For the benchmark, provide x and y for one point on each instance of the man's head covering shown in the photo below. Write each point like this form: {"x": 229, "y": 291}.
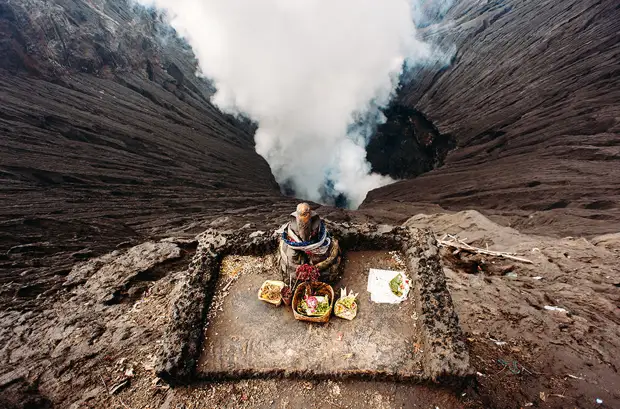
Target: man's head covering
{"x": 303, "y": 211}
{"x": 303, "y": 216}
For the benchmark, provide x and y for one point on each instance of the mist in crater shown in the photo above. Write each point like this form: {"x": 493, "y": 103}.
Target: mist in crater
{"x": 312, "y": 74}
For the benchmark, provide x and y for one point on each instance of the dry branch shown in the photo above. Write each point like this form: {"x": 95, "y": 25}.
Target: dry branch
{"x": 454, "y": 242}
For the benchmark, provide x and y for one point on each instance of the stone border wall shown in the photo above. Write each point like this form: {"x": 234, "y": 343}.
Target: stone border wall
{"x": 445, "y": 352}
{"x": 180, "y": 349}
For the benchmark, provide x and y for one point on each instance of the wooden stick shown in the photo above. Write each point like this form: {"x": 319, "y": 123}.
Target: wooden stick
{"x": 229, "y": 283}
{"x": 105, "y": 384}
{"x": 464, "y": 246}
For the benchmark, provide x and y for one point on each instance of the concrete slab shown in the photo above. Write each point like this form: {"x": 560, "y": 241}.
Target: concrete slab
{"x": 247, "y": 337}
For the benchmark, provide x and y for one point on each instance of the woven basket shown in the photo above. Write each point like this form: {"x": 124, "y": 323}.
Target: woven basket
{"x": 318, "y": 288}
{"x": 271, "y": 282}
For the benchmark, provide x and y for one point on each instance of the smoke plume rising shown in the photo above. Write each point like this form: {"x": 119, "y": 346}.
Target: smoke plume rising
{"x": 312, "y": 74}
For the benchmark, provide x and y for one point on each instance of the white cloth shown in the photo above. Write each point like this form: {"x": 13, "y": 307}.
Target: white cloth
{"x": 379, "y": 286}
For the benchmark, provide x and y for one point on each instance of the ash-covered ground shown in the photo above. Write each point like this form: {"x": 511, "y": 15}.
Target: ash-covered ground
{"x": 96, "y": 342}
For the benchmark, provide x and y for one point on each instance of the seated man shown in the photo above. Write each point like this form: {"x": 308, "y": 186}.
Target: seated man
{"x": 305, "y": 240}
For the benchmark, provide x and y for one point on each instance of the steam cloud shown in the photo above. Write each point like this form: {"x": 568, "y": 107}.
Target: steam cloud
{"x": 312, "y": 74}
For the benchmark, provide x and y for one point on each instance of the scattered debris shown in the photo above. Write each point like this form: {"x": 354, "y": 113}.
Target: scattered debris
{"x": 234, "y": 267}
{"x": 513, "y": 366}
{"x": 543, "y": 397}
{"x": 553, "y": 308}
{"x": 498, "y": 342}
{"x": 256, "y": 234}
{"x": 117, "y": 387}
{"x": 537, "y": 278}
{"x": 456, "y": 243}
{"x": 229, "y": 283}
{"x": 528, "y": 404}
{"x": 149, "y": 366}
{"x": 396, "y": 256}
{"x": 512, "y": 275}
{"x": 574, "y": 377}
{"x": 335, "y": 389}
{"x": 599, "y": 401}
{"x": 105, "y": 385}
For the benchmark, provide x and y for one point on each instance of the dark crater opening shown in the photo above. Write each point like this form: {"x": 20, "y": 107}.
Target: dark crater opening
{"x": 407, "y": 144}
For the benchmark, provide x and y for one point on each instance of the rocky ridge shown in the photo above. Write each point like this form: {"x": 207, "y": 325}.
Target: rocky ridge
{"x": 532, "y": 97}
{"x": 108, "y": 136}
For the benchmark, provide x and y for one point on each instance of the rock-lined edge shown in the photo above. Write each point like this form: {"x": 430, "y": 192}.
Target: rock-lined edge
{"x": 181, "y": 341}
{"x": 180, "y": 349}
{"x": 445, "y": 353}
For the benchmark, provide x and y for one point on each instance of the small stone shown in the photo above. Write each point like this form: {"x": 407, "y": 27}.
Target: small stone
{"x": 336, "y": 390}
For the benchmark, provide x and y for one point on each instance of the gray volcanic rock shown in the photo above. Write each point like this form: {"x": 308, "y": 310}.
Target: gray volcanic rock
{"x": 63, "y": 340}
{"x": 108, "y": 135}
{"x": 53, "y": 38}
{"x": 532, "y": 97}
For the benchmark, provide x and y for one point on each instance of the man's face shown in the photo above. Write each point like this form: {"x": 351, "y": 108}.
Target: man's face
{"x": 303, "y": 220}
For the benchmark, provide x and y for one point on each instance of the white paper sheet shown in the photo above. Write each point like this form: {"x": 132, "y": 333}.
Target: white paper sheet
{"x": 379, "y": 286}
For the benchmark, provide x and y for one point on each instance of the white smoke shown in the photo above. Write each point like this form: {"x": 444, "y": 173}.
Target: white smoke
{"x": 426, "y": 12}
{"x": 304, "y": 70}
